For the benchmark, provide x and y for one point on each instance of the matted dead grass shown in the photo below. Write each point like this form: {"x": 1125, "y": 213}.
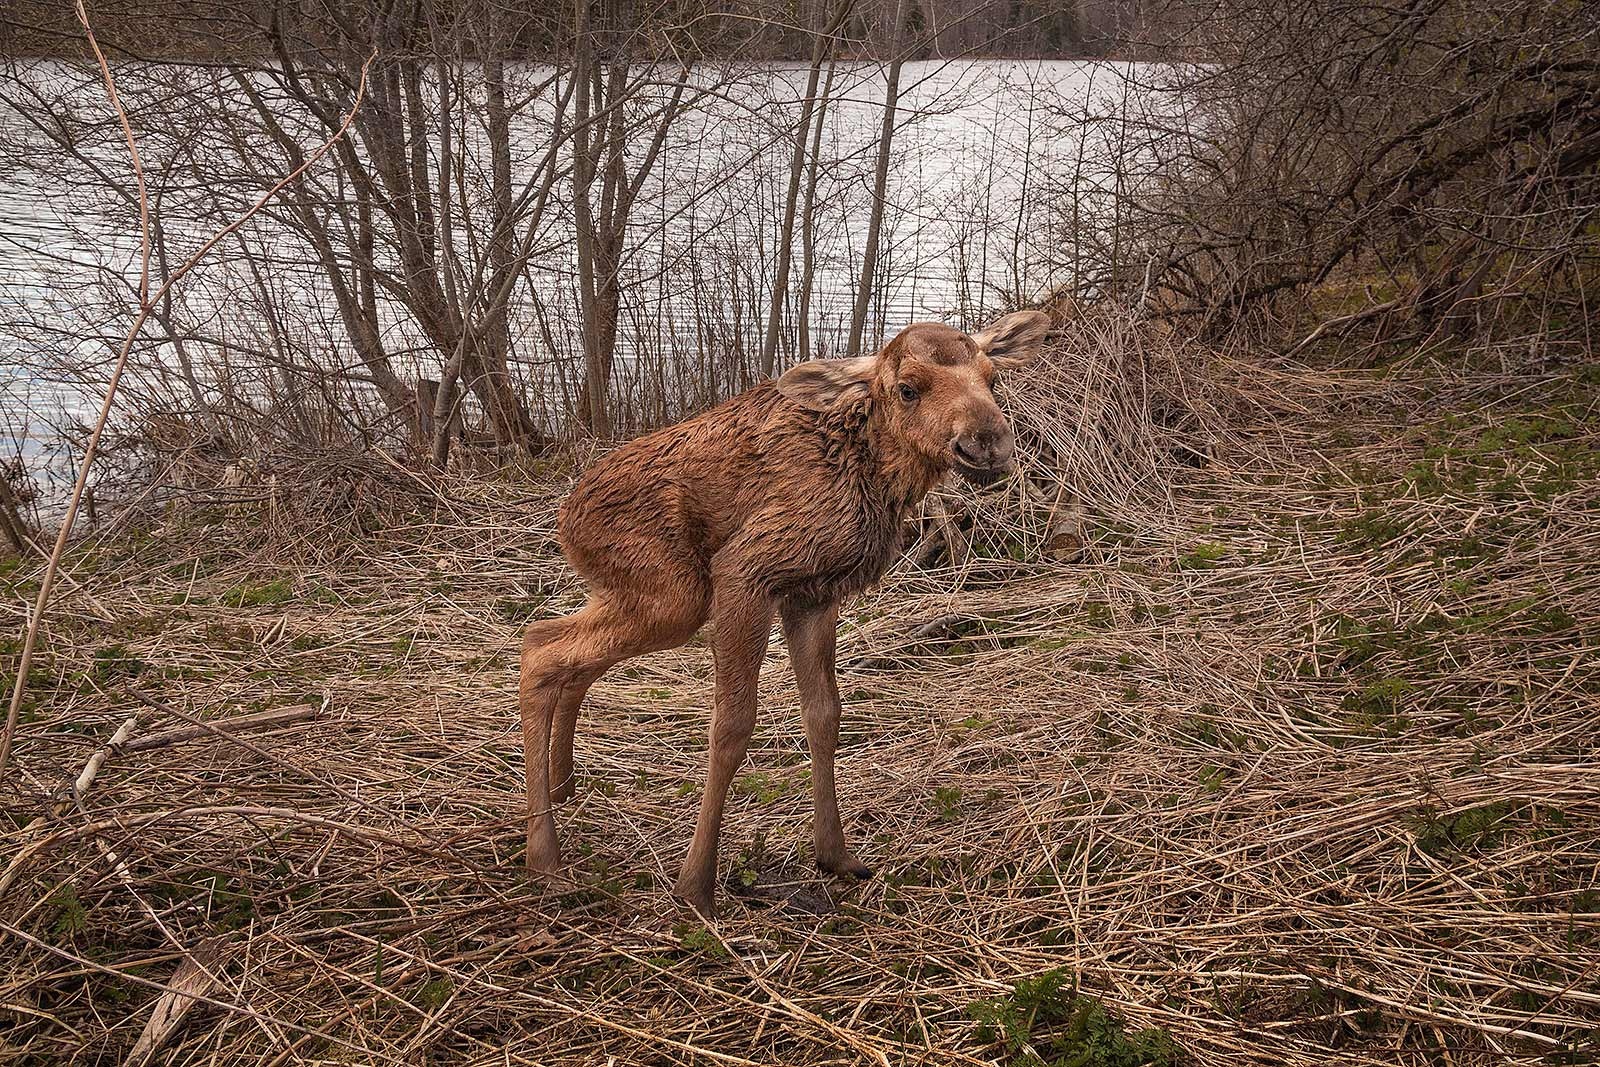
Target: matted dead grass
{"x": 1294, "y": 765}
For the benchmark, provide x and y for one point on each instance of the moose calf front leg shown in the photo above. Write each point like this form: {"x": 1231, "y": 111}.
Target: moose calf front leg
{"x": 742, "y": 619}
{"x": 811, "y": 634}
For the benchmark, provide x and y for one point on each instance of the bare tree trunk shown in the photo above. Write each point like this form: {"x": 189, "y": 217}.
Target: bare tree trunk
{"x": 612, "y": 228}
{"x": 808, "y": 246}
{"x": 356, "y": 299}
{"x": 508, "y": 415}
{"x": 163, "y": 315}
{"x": 601, "y": 133}
{"x": 821, "y": 50}
{"x": 494, "y": 294}
{"x": 11, "y": 520}
{"x": 880, "y": 184}
{"x": 431, "y": 397}
{"x": 594, "y": 415}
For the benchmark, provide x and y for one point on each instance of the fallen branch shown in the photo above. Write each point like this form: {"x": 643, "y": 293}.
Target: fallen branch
{"x": 192, "y": 980}
{"x": 224, "y": 729}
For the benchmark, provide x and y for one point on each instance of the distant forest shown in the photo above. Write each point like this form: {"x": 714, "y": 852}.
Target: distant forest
{"x": 778, "y": 29}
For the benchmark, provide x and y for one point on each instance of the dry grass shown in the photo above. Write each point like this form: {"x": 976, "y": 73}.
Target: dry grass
{"x": 1296, "y": 765}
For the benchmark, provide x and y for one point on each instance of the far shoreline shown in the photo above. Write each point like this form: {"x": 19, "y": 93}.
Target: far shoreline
{"x": 211, "y": 58}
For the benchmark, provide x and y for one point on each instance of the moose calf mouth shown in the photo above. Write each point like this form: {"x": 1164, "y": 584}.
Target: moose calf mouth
{"x": 982, "y": 476}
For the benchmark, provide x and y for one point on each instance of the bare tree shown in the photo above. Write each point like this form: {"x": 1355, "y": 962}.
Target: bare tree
{"x": 608, "y": 86}
{"x": 880, "y": 183}
{"x": 821, "y": 52}
{"x": 808, "y": 232}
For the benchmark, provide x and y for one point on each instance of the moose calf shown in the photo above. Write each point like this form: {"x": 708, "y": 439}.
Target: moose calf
{"x": 787, "y": 498}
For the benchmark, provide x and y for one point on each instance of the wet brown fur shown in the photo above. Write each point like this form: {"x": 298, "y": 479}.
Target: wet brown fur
{"x": 787, "y": 498}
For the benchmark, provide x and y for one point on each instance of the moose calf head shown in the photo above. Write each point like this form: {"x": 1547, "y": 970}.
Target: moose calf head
{"x": 934, "y": 388}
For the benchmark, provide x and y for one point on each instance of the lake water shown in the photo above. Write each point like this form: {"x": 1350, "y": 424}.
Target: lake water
{"x": 972, "y": 223}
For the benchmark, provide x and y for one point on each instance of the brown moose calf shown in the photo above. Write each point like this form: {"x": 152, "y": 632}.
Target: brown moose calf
{"x": 787, "y": 498}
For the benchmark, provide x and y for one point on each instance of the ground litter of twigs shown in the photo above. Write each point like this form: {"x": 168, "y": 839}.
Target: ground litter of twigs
{"x": 1293, "y": 763}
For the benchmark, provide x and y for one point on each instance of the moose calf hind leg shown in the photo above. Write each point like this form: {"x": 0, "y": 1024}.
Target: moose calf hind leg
{"x": 537, "y": 703}
{"x": 556, "y": 653}
{"x": 561, "y": 658}
{"x": 562, "y": 782}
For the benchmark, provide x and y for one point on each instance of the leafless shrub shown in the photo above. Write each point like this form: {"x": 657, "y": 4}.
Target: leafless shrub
{"x": 1423, "y": 172}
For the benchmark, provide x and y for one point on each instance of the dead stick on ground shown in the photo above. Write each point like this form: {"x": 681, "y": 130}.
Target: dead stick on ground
{"x": 193, "y": 976}
{"x": 86, "y": 777}
{"x": 225, "y": 729}
{"x": 147, "y": 304}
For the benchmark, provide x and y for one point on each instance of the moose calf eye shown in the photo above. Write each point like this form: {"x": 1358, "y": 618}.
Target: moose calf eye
{"x": 908, "y": 393}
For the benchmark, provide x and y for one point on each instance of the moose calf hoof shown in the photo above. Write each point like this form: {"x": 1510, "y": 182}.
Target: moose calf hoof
{"x": 562, "y": 793}
{"x": 846, "y": 866}
{"x": 543, "y": 860}
{"x": 696, "y": 898}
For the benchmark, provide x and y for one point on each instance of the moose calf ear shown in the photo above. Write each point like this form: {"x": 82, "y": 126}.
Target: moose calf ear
{"x": 822, "y": 384}
{"x": 1014, "y": 340}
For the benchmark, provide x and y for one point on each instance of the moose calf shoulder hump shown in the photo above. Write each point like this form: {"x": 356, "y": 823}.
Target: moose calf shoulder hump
{"x": 783, "y": 500}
